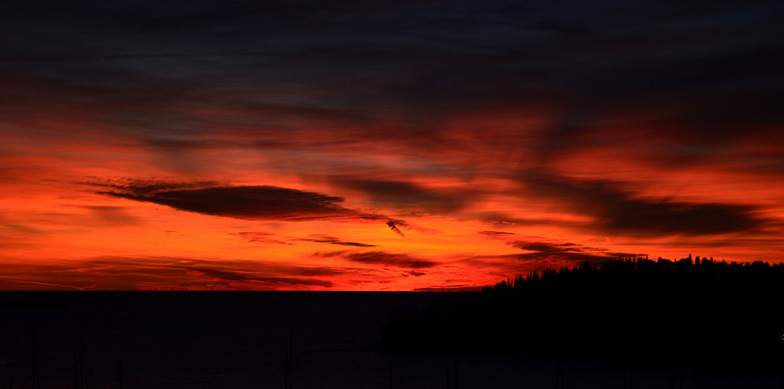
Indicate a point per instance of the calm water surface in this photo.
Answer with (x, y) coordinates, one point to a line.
(226, 340)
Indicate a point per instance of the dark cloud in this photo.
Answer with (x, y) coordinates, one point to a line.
(152, 272)
(558, 252)
(277, 281)
(382, 258)
(144, 187)
(546, 247)
(408, 226)
(330, 254)
(496, 233)
(259, 237)
(395, 229)
(711, 69)
(403, 195)
(507, 220)
(505, 265)
(263, 272)
(390, 259)
(542, 252)
(456, 288)
(618, 210)
(333, 240)
(243, 202)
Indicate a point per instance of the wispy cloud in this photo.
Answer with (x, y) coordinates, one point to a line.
(559, 252)
(152, 272)
(390, 259)
(264, 281)
(112, 215)
(333, 240)
(260, 237)
(382, 258)
(496, 233)
(539, 250)
(403, 195)
(619, 210)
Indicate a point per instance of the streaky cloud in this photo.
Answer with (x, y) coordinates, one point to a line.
(390, 259)
(381, 258)
(617, 209)
(559, 252)
(496, 233)
(151, 272)
(237, 276)
(333, 240)
(402, 194)
(259, 237)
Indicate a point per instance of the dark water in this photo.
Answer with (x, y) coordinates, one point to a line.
(239, 340)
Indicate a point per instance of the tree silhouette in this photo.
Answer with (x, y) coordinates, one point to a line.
(695, 311)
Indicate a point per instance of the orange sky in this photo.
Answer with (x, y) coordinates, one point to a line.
(144, 147)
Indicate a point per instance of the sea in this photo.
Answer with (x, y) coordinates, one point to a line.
(272, 340)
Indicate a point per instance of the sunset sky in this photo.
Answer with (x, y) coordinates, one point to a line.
(267, 145)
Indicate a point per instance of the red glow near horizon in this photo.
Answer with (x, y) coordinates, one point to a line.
(63, 230)
(279, 167)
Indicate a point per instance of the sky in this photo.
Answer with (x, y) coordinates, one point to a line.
(428, 145)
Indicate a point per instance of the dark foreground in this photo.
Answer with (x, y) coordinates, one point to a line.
(240, 339)
(697, 313)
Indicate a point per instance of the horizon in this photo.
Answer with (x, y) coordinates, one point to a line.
(509, 282)
(377, 147)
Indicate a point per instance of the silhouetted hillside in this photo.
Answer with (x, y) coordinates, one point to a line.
(630, 310)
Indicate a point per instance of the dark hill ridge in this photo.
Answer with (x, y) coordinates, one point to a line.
(697, 312)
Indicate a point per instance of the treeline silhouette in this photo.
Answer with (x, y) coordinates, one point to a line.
(630, 310)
